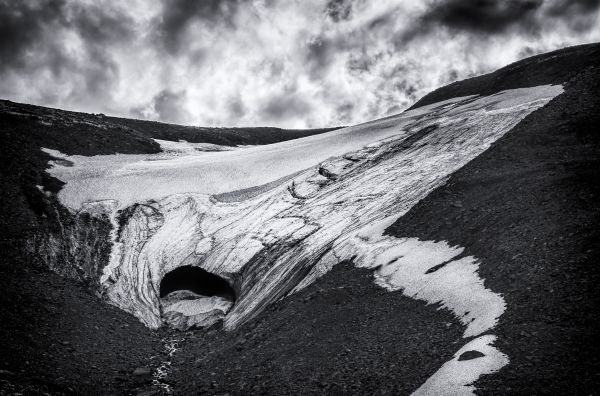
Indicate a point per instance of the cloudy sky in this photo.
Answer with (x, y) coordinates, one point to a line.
(288, 63)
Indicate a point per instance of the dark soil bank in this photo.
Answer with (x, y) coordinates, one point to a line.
(58, 338)
(529, 208)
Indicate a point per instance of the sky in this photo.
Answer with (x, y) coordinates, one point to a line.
(286, 63)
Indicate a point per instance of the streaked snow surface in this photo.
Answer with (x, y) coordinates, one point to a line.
(129, 179)
(271, 219)
(133, 178)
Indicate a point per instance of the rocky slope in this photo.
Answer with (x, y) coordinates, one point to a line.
(528, 208)
(344, 329)
(40, 310)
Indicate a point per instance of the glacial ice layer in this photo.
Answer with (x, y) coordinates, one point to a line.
(270, 219)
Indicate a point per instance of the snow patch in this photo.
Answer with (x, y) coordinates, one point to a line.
(190, 310)
(456, 377)
(437, 273)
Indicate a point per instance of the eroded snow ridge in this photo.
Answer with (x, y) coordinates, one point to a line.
(299, 200)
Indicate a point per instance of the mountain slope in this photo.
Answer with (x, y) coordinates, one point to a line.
(529, 208)
(555, 67)
(520, 222)
(39, 309)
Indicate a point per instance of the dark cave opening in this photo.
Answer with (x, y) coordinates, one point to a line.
(196, 280)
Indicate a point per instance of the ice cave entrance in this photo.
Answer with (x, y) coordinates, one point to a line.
(196, 280)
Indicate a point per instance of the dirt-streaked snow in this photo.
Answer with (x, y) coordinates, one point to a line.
(129, 179)
(284, 233)
(328, 199)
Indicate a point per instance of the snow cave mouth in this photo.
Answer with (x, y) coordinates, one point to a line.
(197, 281)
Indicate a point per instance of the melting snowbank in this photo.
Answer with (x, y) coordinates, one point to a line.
(322, 192)
(134, 178)
(265, 245)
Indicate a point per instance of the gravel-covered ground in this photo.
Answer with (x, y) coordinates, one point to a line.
(341, 335)
(529, 208)
(59, 338)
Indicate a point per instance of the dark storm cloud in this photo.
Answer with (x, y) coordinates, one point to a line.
(579, 14)
(24, 25)
(178, 14)
(21, 25)
(570, 7)
(497, 16)
(276, 62)
(100, 25)
(488, 16)
(338, 10)
(237, 107)
(345, 110)
(320, 52)
(28, 43)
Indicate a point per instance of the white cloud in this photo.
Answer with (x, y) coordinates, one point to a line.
(265, 62)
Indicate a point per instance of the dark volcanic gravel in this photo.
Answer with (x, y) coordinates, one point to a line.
(529, 208)
(341, 335)
(57, 337)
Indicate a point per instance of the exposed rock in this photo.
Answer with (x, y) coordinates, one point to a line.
(142, 375)
(470, 355)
